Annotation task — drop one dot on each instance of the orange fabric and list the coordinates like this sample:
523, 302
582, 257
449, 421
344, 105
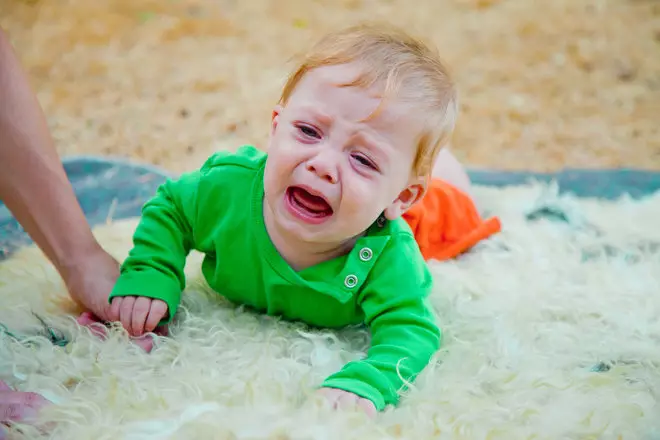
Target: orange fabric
446, 222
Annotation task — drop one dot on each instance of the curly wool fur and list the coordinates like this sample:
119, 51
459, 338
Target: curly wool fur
551, 330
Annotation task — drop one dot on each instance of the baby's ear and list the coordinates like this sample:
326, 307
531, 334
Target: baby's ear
412, 194
275, 118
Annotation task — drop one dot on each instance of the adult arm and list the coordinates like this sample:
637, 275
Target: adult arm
35, 188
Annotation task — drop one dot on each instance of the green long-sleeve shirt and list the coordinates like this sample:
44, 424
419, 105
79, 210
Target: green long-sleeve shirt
218, 210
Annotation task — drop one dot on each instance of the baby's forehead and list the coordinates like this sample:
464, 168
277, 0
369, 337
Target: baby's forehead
328, 82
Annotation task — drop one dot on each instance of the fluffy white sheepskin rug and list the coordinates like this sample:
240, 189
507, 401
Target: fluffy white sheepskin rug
551, 331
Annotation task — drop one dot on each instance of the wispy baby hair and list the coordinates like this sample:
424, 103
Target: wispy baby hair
408, 69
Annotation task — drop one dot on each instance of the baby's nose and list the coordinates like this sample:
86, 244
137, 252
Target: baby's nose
323, 167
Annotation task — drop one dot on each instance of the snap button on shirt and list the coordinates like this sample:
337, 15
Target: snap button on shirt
350, 281
366, 254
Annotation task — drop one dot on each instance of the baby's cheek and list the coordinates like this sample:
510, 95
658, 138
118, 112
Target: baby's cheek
367, 199
286, 161
360, 210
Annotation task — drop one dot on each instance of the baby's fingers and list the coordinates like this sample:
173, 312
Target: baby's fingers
140, 312
126, 313
157, 312
367, 406
115, 307
345, 400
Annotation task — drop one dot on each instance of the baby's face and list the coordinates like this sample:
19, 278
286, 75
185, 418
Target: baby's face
330, 173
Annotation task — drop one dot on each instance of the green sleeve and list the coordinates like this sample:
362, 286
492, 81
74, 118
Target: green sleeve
162, 241
404, 333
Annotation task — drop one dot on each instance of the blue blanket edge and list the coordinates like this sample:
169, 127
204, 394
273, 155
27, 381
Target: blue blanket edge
115, 187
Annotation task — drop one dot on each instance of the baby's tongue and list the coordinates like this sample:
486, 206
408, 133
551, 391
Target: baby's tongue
309, 201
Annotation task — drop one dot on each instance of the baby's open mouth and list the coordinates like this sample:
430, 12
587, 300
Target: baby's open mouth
310, 204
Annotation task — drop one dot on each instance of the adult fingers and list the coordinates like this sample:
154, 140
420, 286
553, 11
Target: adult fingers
157, 312
86, 319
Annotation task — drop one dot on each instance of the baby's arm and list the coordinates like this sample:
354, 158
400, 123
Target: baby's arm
149, 288
404, 332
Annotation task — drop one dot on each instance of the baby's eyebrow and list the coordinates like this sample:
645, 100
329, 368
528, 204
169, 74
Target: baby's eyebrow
318, 115
378, 148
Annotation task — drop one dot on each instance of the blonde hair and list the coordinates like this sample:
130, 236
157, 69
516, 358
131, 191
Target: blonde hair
409, 69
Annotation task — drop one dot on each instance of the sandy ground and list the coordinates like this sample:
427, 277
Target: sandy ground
544, 84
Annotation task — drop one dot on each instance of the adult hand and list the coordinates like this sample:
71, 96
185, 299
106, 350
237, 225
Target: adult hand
17, 406
37, 191
90, 279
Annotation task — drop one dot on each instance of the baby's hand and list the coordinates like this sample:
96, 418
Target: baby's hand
138, 314
344, 399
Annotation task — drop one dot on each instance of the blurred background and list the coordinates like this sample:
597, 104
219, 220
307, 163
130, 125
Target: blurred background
544, 84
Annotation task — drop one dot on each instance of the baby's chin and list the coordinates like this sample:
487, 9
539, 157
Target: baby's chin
332, 233
337, 235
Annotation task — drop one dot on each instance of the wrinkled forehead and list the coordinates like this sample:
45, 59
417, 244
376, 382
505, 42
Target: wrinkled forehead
342, 87
392, 125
